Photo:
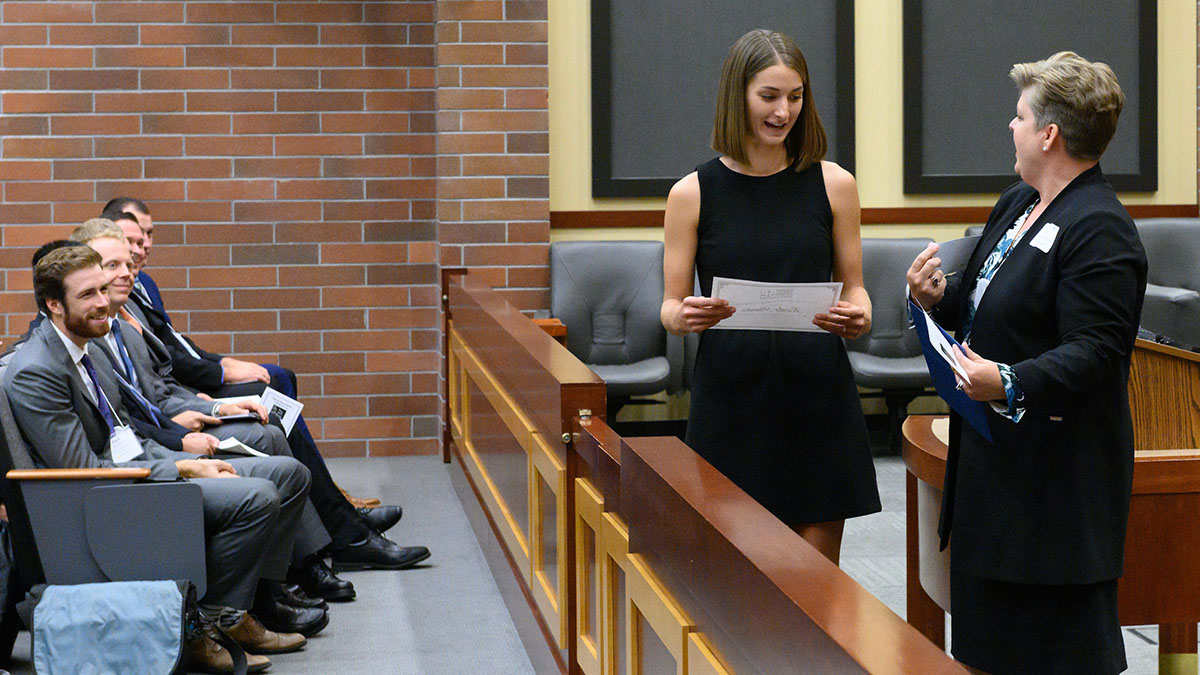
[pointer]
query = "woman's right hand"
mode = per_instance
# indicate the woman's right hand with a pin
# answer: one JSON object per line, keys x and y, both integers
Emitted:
{"x": 926, "y": 281}
{"x": 696, "y": 313}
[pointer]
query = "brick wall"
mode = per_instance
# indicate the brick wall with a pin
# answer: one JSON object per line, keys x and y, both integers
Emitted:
{"x": 289, "y": 154}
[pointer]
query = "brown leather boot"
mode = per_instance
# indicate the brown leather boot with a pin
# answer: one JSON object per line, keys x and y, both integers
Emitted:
{"x": 256, "y": 639}
{"x": 204, "y": 655}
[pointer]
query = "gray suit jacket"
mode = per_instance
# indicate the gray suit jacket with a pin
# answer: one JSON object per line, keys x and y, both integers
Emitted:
{"x": 154, "y": 377}
{"x": 57, "y": 418}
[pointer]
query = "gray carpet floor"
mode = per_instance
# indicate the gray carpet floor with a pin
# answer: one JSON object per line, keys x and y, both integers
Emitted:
{"x": 448, "y": 615}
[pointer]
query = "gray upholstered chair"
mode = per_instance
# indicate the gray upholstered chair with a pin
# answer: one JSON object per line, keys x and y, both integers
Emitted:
{"x": 973, "y": 230}
{"x": 1172, "y": 305}
{"x": 609, "y": 293}
{"x": 889, "y": 357}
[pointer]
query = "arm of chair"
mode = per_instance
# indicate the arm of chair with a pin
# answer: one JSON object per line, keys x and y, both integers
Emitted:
{"x": 78, "y": 474}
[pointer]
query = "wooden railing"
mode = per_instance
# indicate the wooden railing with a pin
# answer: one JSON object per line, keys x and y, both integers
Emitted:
{"x": 635, "y": 555}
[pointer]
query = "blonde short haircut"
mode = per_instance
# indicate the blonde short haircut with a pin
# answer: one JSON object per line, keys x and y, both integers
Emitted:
{"x": 98, "y": 228}
{"x": 753, "y": 53}
{"x": 1081, "y": 97}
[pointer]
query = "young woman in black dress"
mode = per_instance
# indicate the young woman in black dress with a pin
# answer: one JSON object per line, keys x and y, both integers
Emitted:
{"x": 777, "y": 412}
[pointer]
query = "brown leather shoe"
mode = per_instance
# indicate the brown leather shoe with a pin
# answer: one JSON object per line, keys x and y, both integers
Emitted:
{"x": 256, "y": 639}
{"x": 204, "y": 655}
{"x": 359, "y": 502}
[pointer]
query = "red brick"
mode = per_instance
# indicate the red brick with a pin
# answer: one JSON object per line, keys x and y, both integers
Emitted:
{"x": 74, "y": 213}
{"x": 277, "y": 211}
{"x": 401, "y": 275}
{"x": 403, "y": 447}
{"x": 139, "y": 146}
{"x": 188, "y": 168}
{"x": 449, "y": 120}
{"x": 526, "y": 54}
{"x": 400, "y": 57}
{"x": 33, "y": 235}
{"x": 321, "y": 319}
{"x": 275, "y": 78}
{"x": 189, "y": 123}
{"x": 528, "y": 143}
{"x": 230, "y": 189}
{"x": 470, "y": 10}
{"x": 229, "y": 233}
{"x": 280, "y": 34}
{"x": 470, "y": 188}
{"x": 505, "y": 165}
{"x": 47, "y": 147}
{"x": 373, "y": 78}
{"x": 471, "y": 143}
{"x": 142, "y": 57}
{"x": 274, "y": 168}
{"x": 323, "y": 275}
{"x": 503, "y": 31}
{"x": 12, "y": 125}
{"x": 184, "y": 35}
{"x": 159, "y": 101}
{"x": 233, "y": 101}
{"x": 50, "y": 192}
{"x": 90, "y": 34}
{"x": 150, "y": 190}
{"x": 360, "y": 166}
{"x": 505, "y": 76}
{"x": 449, "y": 76}
{"x": 508, "y": 209}
{"x": 237, "y": 57}
{"x": 320, "y": 189}
{"x": 224, "y": 277}
{"x": 330, "y": 406}
{"x": 399, "y": 12}
{"x": 331, "y": 448}
{"x": 319, "y": 12}
{"x": 90, "y": 80}
{"x": 231, "y": 12}
{"x": 360, "y": 341}
{"x": 400, "y": 144}
{"x": 421, "y": 78}
{"x": 470, "y": 54}
{"x": 197, "y": 78}
{"x": 86, "y": 125}
{"x": 47, "y": 57}
{"x": 322, "y": 57}
{"x": 227, "y": 146}
{"x": 278, "y": 341}
{"x": 289, "y": 123}
{"x": 187, "y": 256}
{"x": 363, "y": 253}
{"x": 529, "y": 277}
{"x": 422, "y": 251}
{"x": 320, "y": 362}
{"x": 22, "y": 35}
{"x": 319, "y": 100}
{"x": 190, "y": 212}
{"x": 139, "y": 12}
{"x": 506, "y": 120}
{"x": 413, "y": 404}
{"x": 470, "y": 99}
{"x": 325, "y": 231}
{"x": 378, "y": 123}
{"x": 319, "y": 145}
{"x": 468, "y": 233}
{"x": 48, "y": 12}
{"x": 368, "y": 383}
{"x": 510, "y": 254}
{"x": 186, "y": 298}
{"x": 68, "y": 169}
{"x": 401, "y": 100}
{"x": 49, "y": 102}
{"x": 231, "y": 321}
{"x": 276, "y": 298}
{"x": 533, "y": 232}
{"x": 363, "y": 34}
{"x": 403, "y": 318}
{"x": 402, "y": 188}
{"x": 527, "y": 99}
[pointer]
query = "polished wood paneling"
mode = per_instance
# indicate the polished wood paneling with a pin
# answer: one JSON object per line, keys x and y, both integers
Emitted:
{"x": 922, "y": 215}
{"x": 1164, "y": 396}
{"x": 599, "y": 450}
{"x": 765, "y": 600}
{"x": 77, "y": 474}
{"x": 589, "y": 591}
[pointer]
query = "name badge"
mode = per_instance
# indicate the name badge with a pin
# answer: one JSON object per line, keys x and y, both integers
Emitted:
{"x": 1045, "y": 237}
{"x": 124, "y": 445}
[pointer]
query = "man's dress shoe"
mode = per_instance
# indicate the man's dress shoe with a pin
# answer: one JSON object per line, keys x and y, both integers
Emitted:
{"x": 318, "y": 581}
{"x": 283, "y": 618}
{"x": 377, "y": 553}
{"x": 381, "y": 518}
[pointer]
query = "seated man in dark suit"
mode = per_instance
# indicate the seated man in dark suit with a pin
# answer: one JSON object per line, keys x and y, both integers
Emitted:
{"x": 68, "y": 408}
{"x": 358, "y": 541}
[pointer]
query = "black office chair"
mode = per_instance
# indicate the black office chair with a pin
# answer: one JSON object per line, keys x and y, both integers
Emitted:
{"x": 889, "y": 357}
{"x": 608, "y": 294}
{"x": 1172, "y": 304}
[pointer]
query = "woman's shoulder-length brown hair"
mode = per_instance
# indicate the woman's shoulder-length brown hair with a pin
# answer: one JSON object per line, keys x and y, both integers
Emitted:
{"x": 752, "y": 53}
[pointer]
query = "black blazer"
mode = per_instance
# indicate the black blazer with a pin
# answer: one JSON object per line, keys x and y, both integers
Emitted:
{"x": 204, "y": 373}
{"x": 1049, "y": 501}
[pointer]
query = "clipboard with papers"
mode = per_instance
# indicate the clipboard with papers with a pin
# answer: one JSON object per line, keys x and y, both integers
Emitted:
{"x": 936, "y": 345}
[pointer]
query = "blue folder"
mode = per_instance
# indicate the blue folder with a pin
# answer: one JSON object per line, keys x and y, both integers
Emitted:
{"x": 972, "y": 411}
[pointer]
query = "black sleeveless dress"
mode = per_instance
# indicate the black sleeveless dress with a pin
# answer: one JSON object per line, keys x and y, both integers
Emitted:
{"x": 776, "y": 411}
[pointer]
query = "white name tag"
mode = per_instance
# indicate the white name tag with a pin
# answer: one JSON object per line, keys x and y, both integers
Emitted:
{"x": 1045, "y": 237}
{"x": 124, "y": 445}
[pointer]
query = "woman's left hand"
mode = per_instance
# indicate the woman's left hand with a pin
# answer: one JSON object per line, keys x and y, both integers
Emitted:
{"x": 844, "y": 320}
{"x": 985, "y": 384}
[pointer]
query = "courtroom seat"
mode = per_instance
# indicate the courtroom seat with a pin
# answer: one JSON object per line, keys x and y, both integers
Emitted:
{"x": 973, "y": 231}
{"x": 889, "y": 357}
{"x": 1172, "y": 305}
{"x": 609, "y": 293}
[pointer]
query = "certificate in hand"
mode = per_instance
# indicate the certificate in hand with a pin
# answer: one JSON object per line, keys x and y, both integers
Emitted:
{"x": 766, "y": 306}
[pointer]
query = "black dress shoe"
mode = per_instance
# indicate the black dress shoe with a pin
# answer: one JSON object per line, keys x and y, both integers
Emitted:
{"x": 377, "y": 553}
{"x": 283, "y": 618}
{"x": 381, "y": 518}
{"x": 318, "y": 581}
{"x": 292, "y": 594}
